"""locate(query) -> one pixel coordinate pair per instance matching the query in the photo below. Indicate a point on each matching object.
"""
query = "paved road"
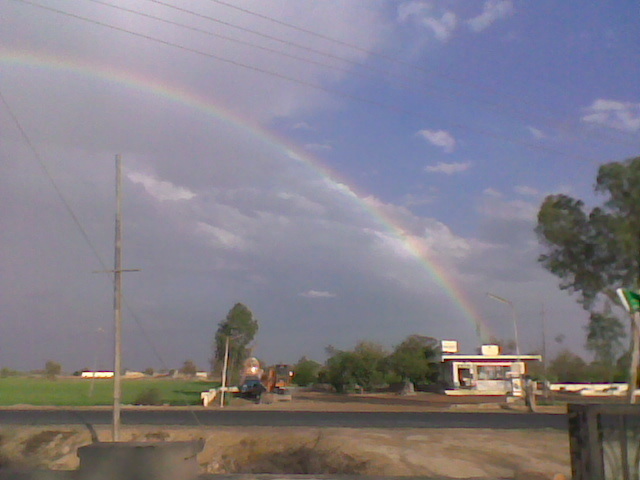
(287, 419)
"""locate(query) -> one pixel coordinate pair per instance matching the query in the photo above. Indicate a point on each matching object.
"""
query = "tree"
(52, 369)
(306, 372)
(189, 368)
(8, 372)
(568, 367)
(416, 359)
(596, 252)
(239, 327)
(369, 366)
(338, 370)
(363, 366)
(604, 333)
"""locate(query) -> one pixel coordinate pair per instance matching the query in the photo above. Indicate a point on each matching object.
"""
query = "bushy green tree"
(604, 334)
(52, 369)
(240, 327)
(189, 368)
(595, 252)
(568, 367)
(8, 372)
(416, 359)
(306, 372)
(149, 396)
(363, 366)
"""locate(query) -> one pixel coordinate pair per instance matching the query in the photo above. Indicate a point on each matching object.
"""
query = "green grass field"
(80, 392)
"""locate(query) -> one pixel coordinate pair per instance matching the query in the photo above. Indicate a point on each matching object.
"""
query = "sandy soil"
(453, 453)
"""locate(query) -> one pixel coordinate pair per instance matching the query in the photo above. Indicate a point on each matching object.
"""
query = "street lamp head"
(499, 299)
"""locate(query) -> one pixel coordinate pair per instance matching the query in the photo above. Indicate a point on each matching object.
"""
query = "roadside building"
(101, 374)
(487, 373)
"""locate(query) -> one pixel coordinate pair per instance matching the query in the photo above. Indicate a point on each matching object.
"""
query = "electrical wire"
(54, 185)
(375, 72)
(83, 232)
(364, 100)
(399, 61)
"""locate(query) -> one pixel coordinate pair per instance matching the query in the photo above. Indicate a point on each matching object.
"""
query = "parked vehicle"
(252, 388)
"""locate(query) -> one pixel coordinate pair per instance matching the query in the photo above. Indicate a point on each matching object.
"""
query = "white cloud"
(219, 236)
(527, 191)
(415, 200)
(623, 116)
(536, 132)
(497, 208)
(439, 238)
(317, 294)
(564, 188)
(492, 192)
(411, 9)
(160, 189)
(342, 188)
(442, 27)
(439, 138)
(427, 236)
(492, 11)
(448, 168)
(301, 203)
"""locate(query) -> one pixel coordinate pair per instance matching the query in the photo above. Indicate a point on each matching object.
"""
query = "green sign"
(630, 299)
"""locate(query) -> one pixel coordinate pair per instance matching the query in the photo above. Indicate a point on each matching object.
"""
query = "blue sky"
(452, 120)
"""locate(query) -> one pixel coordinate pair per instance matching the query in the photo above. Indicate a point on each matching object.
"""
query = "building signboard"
(449, 346)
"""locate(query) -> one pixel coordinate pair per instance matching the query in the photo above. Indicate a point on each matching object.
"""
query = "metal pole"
(117, 284)
(515, 332)
(635, 356)
(514, 317)
(544, 352)
(224, 372)
(515, 328)
(523, 387)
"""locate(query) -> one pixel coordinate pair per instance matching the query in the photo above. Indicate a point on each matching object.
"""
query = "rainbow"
(186, 98)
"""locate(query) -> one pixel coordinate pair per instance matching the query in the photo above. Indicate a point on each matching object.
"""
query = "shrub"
(150, 396)
(52, 369)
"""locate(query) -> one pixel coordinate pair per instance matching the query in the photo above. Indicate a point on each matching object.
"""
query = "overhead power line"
(54, 185)
(515, 100)
(374, 71)
(390, 107)
(83, 232)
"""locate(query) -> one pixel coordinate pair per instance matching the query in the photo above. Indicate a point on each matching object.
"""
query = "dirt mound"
(452, 453)
(252, 456)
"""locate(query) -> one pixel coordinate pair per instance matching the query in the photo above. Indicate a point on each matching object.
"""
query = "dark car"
(252, 388)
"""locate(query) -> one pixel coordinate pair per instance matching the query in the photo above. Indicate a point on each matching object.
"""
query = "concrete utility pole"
(117, 296)
(117, 304)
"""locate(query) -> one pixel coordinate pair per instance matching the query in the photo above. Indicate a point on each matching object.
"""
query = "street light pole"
(514, 317)
(224, 372)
